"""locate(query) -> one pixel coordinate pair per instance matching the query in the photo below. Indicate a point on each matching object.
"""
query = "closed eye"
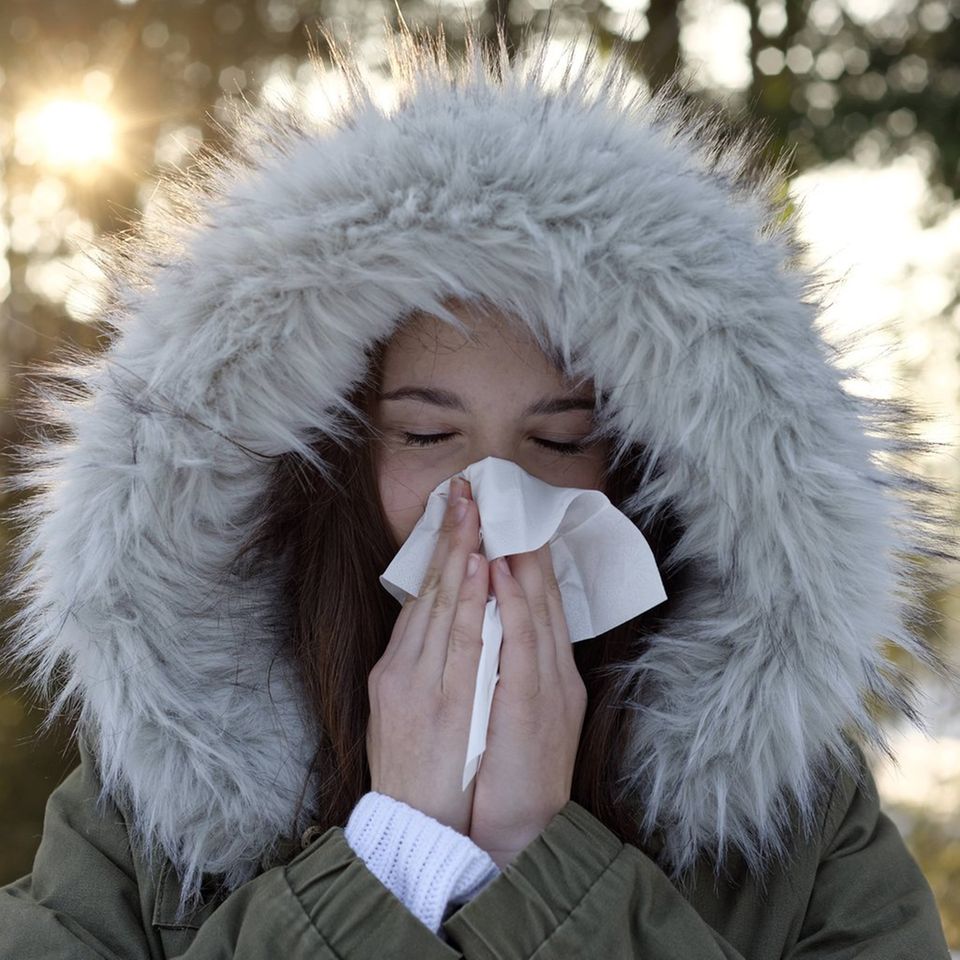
(428, 439)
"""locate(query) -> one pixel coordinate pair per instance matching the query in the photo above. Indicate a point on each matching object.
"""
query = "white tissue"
(604, 566)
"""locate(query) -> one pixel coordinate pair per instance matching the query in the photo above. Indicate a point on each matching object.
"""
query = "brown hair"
(335, 541)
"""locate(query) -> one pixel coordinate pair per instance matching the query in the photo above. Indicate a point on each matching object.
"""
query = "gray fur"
(638, 239)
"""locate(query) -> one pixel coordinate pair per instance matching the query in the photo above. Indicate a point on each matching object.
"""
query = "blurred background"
(102, 101)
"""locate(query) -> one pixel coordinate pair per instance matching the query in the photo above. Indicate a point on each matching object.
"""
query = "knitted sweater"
(424, 863)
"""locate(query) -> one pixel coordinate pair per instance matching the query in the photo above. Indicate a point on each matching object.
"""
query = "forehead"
(427, 346)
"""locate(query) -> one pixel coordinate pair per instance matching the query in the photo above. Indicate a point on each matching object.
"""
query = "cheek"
(585, 473)
(598, 467)
(404, 489)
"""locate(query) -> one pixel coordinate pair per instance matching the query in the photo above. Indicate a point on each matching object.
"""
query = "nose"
(501, 453)
(505, 448)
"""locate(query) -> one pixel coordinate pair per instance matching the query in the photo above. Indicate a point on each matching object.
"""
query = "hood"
(652, 247)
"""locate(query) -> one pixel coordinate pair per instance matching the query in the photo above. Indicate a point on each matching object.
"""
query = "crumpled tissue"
(604, 566)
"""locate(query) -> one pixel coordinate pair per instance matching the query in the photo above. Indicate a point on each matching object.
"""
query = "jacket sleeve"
(83, 900)
(575, 891)
(577, 884)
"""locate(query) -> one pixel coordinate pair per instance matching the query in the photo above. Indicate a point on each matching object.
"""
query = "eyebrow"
(444, 398)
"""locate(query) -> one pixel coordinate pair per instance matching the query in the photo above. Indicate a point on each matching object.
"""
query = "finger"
(528, 572)
(455, 588)
(458, 669)
(432, 617)
(519, 667)
(409, 642)
(555, 602)
(398, 637)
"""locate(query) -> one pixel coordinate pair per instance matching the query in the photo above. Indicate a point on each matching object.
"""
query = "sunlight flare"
(66, 133)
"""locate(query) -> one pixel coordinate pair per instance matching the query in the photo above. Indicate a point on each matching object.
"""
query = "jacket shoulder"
(86, 873)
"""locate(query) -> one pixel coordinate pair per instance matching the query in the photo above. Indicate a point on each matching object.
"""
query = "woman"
(334, 323)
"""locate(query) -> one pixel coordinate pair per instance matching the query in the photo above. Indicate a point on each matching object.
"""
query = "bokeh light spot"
(228, 17)
(97, 84)
(155, 34)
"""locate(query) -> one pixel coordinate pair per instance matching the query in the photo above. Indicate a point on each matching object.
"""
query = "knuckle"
(462, 640)
(431, 580)
(540, 609)
(443, 600)
(525, 696)
(525, 636)
(449, 523)
(553, 586)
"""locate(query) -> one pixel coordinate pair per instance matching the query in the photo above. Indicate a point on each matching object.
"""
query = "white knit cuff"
(424, 863)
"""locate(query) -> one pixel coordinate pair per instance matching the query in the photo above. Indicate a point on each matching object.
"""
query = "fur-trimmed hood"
(646, 243)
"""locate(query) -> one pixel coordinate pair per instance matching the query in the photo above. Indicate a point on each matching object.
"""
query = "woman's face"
(477, 399)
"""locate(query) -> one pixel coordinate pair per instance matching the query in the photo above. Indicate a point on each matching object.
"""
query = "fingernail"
(502, 565)
(456, 488)
(460, 510)
(473, 564)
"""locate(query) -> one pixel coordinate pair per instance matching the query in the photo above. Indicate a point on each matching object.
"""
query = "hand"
(536, 717)
(421, 690)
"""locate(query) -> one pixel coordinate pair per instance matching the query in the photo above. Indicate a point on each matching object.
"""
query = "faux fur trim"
(644, 242)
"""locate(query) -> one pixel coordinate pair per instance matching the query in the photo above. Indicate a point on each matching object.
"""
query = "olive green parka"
(853, 890)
